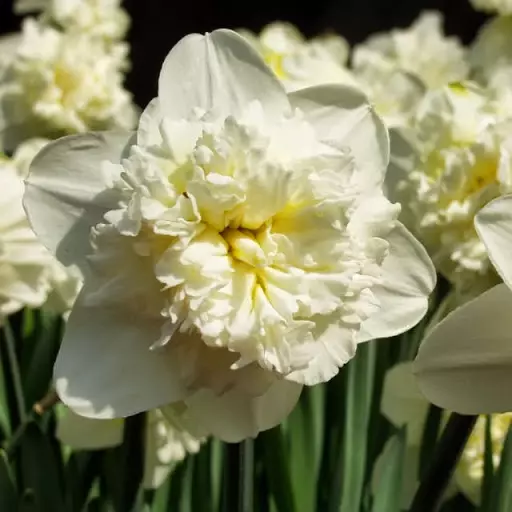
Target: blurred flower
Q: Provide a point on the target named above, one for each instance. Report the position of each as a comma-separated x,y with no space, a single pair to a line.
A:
422,50
167,440
241,244
503,7
464,364
299,62
58,83
454,160
491,54
96,18
23,260
404,406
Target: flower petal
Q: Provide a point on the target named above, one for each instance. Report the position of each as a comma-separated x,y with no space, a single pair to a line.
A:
236,415
465,363
494,226
219,73
342,115
407,281
88,434
67,191
402,402
105,368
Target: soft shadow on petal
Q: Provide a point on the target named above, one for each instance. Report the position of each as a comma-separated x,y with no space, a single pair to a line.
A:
237,415
494,226
219,73
67,191
88,434
342,115
105,368
465,363
408,279
402,402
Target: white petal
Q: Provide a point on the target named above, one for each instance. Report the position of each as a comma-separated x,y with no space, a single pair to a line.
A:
408,279
402,402
465,363
219,73
105,368
88,434
236,415
67,191
494,226
342,115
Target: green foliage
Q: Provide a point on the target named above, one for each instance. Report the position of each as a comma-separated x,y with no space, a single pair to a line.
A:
321,459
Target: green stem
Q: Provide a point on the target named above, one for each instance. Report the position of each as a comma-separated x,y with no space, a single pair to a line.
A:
246,497
445,458
10,344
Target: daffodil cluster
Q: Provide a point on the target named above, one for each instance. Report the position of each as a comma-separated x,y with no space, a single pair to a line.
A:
64,74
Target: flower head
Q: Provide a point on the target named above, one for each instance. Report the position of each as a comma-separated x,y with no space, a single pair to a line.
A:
58,83
238,246
502,7
464,364
23,259
459,161
299,62
422,50
96,18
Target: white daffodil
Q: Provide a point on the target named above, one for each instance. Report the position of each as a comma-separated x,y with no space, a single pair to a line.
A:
502,7
237,247
404,406
455,159
61,284
299,62
95,18
58,83
422,50
167,440
23,259
465,364
491,56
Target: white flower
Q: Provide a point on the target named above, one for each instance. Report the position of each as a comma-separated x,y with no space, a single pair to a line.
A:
455,160
60,83
167,440
299,62
404,406
23,260
491,54
502,7
465,364
241,244
96,18
422,50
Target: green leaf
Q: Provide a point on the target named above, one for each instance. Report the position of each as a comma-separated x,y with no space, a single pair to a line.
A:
358,409
501,495
304,431
388,495
168,497
8,494
38,368
82,469
124,465
277,469
429,438
40,469
202,498
488,478
331,466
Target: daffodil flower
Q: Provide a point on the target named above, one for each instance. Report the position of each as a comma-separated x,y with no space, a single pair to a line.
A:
465,364
235,248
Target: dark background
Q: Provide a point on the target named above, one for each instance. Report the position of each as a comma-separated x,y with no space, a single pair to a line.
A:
158,24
